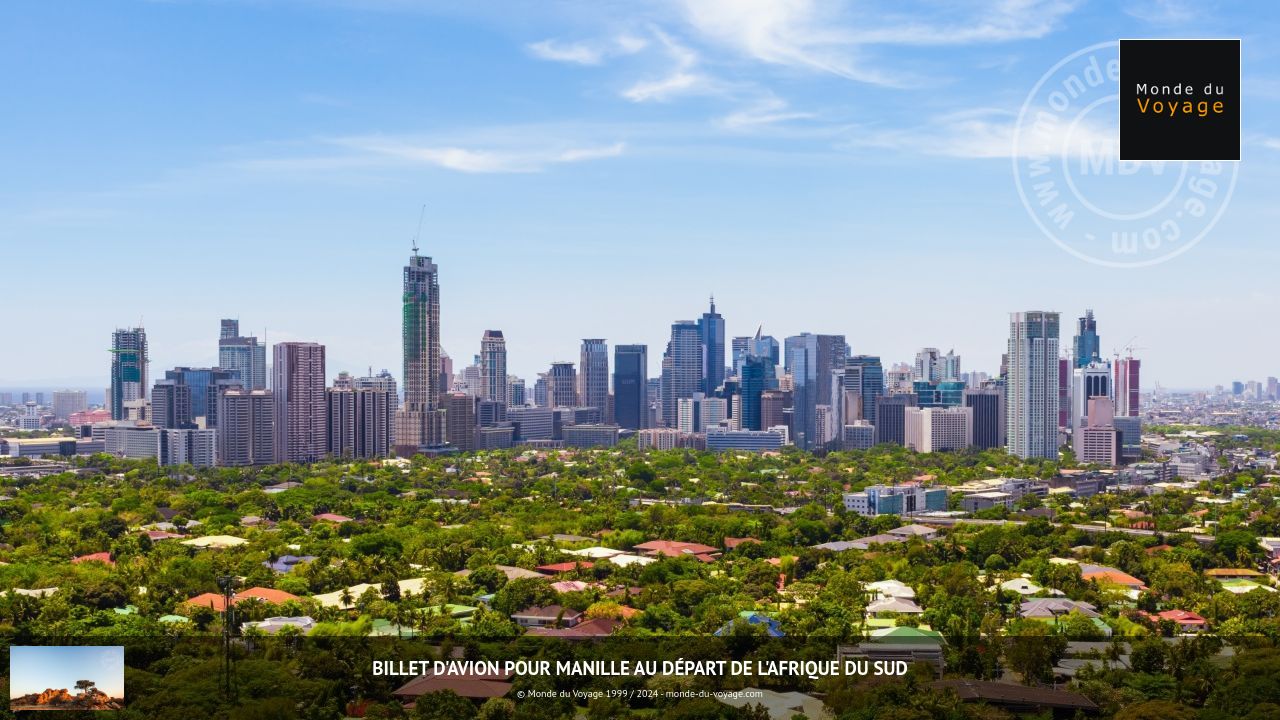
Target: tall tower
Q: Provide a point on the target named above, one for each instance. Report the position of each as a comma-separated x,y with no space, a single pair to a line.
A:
418,423
128,369
1086,348
243,355
1032,385
301,412
681,369
493,367
562,385
1128,386
630,386
593,376
811,360
711,338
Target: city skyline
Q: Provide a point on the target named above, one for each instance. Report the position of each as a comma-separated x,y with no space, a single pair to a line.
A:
656,157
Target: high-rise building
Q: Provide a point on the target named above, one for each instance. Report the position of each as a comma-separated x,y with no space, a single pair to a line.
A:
681,368
811,359
1086,347
1096,440
246,427
938,429
516,392
1065,367
298,379
949,366
187,446
68,402
128,369
1128,386
243,355
493,367
1087,382
562,382
340,418
739,348
869,378
1032,386
711,338
460,421
593,375
171,405
361,415
891,418
928,368
988,406
753,382
417,423
774,407
630,386
202,382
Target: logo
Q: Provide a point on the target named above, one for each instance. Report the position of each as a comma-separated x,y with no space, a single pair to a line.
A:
1097,207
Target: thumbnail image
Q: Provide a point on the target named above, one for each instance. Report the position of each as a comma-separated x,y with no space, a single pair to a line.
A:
66,678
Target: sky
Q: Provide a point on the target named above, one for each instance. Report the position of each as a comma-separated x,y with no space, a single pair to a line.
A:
36,669
592,169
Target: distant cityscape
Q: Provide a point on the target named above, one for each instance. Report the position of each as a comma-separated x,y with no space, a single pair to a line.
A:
745,393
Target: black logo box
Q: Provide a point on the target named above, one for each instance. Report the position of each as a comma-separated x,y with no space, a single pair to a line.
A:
1186,68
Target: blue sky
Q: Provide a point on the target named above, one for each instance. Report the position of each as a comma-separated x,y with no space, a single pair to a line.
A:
36,669
589,170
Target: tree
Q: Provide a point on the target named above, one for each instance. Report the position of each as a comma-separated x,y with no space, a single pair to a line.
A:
84,685
1156,710
443,705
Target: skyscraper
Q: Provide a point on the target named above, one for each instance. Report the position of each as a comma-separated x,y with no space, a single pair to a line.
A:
1088,382
242,355
681,368
753,381
630,386
417,422
891,418
493,367
711,337
300,409
128,369
1086,346
811,359
171,405
988,406
203,382
68,402
562,382
871,376
928,368
1032,386
1128,386
245,434
593,374
460,421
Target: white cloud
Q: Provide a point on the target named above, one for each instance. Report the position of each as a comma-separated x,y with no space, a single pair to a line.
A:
989,133
470,160
767,111
681,79
587,53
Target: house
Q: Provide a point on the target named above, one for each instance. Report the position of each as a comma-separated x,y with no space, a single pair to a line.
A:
564,567
285,563
915,530
893,606
1051,608
281,487
512,573
1018,698
861,543
751,617
779,705
331,518
218,603
671,548
273,625
564,586
98,557
626,559
597,628
912,645
215,542
731,543
547,616
475,686
1104,576
1187,621
1232,574
890,589
596,552
1024,586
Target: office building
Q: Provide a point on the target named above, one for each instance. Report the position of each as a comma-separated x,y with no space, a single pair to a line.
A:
493,368
497,437
1097,441
1065,369
188,446
775,407
532,423
681,368
865,375
753,381
460,421
128,369
1087,382
1130,437
895,500
861,435
202,382
928,368
720,439
1032,385
1128,386
246,427
131,440
810,360
711,338
988,406
68,402
244,356
591,435
630,386
418,424
1087,346
938,429
593,375
516,392
171,405
562,385
891,418
298,389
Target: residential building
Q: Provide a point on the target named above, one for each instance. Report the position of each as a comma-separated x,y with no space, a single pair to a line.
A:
720,439
1032,385
938,429
246,427
128,369
171,405
1128,371
244,356
891,418
417,422
68,402
988,406
493,368
460,421
298,389
681,368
